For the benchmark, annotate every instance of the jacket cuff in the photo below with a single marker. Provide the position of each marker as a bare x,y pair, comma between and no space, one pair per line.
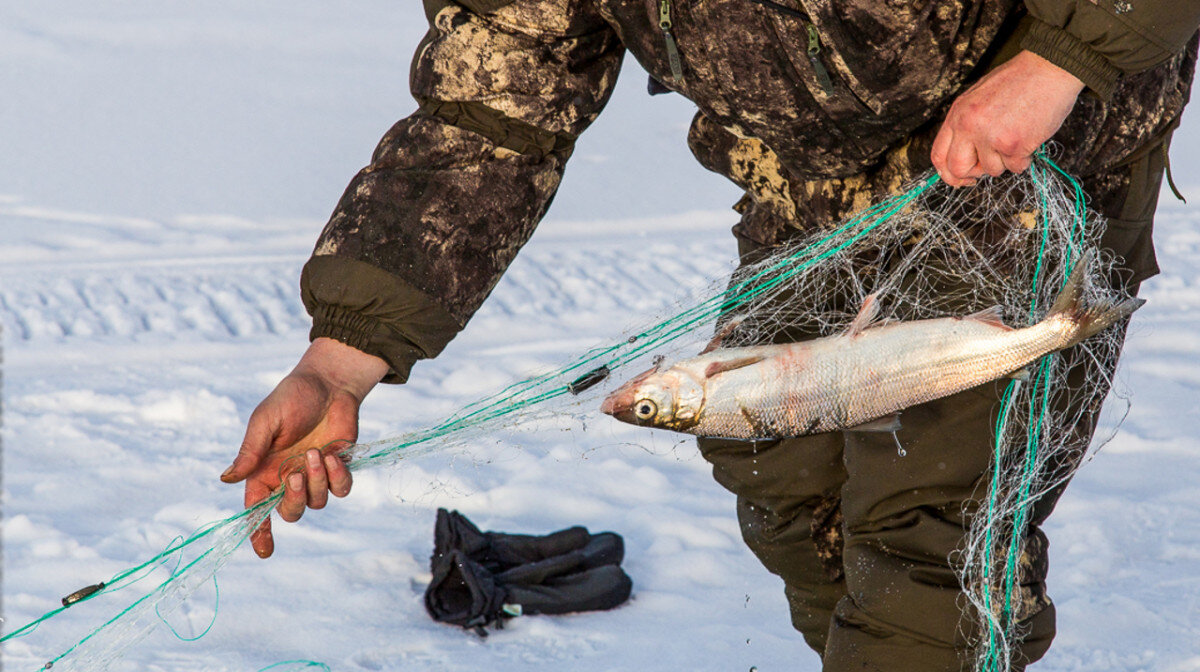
374,311
1071,54
342,325
360,332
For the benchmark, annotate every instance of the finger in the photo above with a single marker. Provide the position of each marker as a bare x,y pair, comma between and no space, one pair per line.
291,507
339,476
941,147
318,484
990,163
1017,164
960,159
261,540
259,435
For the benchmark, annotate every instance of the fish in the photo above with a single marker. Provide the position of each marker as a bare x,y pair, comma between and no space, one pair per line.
858,380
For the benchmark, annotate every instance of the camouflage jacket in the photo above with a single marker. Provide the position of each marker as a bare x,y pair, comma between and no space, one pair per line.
796,99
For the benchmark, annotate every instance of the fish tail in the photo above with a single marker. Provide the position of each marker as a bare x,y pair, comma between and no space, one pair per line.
1087,321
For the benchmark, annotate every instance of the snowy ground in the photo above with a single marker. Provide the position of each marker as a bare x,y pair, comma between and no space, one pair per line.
165,173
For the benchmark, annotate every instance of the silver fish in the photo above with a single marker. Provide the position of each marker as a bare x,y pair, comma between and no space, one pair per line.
857,380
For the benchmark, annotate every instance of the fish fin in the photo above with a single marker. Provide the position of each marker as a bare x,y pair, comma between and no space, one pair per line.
1022,375
1069,298
1088,320
762,425
755,422
721,367
866,317
888,423
993,316
723,334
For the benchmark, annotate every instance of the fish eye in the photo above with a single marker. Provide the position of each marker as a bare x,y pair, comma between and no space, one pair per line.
645,409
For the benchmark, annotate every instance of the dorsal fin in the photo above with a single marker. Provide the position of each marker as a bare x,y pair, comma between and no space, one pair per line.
722,335
729,365
993,316
866,315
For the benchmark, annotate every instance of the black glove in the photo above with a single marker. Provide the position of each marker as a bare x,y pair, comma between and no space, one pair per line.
480,578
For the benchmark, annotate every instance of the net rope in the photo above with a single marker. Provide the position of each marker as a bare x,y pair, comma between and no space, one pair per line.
930,251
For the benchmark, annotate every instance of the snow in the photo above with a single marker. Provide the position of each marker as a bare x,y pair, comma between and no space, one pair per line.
166,171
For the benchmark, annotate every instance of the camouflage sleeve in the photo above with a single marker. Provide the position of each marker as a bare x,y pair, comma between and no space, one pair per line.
1099,40
423,233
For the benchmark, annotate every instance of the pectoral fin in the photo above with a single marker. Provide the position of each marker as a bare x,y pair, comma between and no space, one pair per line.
721,367
763,426
1021,374
888,423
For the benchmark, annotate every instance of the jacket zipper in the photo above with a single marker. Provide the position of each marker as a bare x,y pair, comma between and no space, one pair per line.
665,25
814,42
814,57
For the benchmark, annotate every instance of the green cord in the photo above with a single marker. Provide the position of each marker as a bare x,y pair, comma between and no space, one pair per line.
302,663
1040,386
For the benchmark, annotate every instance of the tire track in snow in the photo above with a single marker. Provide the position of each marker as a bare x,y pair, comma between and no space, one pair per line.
225,303
221,300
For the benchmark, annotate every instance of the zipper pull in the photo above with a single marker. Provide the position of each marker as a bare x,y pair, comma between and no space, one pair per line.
664,24
814,57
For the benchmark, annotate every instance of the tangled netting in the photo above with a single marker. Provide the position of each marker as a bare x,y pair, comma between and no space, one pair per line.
930,251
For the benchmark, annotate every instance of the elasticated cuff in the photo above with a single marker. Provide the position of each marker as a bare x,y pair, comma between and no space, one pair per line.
374,311
1069,53
358,332
342,325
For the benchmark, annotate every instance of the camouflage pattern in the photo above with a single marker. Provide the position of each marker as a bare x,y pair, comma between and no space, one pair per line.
445,207
1095,138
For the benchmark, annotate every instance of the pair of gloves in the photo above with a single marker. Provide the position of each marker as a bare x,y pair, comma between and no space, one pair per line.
482,578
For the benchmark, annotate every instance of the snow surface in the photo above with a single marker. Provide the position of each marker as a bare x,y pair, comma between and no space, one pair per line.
166,169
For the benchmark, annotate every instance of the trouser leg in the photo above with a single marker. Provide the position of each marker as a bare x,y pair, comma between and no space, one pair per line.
904,519
790,518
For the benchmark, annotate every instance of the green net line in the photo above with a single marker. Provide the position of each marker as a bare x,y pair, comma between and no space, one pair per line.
999,626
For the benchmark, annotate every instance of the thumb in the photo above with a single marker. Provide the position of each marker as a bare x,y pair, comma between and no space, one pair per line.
258,439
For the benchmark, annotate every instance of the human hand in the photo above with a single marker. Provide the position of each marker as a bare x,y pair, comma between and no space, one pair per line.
998,123
298,431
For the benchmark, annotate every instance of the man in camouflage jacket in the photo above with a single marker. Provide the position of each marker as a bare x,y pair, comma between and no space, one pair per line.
814,108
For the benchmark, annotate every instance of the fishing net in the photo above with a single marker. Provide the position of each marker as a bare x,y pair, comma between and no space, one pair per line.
928,252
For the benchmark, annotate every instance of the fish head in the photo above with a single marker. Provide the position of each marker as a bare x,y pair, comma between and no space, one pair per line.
669,399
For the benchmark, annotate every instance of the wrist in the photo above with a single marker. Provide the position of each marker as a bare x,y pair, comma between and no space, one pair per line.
342,366
1050,73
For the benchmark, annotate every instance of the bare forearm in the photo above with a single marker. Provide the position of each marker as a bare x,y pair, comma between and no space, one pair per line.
342,366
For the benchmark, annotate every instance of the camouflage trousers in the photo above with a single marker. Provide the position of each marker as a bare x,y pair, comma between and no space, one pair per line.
862,537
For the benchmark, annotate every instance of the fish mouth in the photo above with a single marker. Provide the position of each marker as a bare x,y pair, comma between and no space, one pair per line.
619,404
